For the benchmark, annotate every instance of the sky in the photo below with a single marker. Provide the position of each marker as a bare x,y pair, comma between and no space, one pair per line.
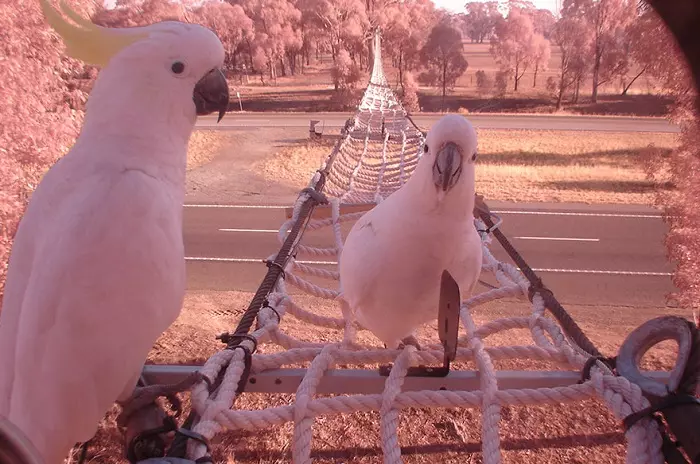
457,6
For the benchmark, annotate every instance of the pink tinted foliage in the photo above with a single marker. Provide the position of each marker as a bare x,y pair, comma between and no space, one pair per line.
514,46
543,22
573,38
409,95
481,19
405,29
345,72
542,53
38,124
665,61
346,75
443,57
605,19
653,50
342,22
276,24
132,13
228,21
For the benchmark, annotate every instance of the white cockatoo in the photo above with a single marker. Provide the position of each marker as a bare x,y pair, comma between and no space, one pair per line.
393,258
97,270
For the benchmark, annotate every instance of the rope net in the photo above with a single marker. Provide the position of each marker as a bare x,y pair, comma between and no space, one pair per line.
377,154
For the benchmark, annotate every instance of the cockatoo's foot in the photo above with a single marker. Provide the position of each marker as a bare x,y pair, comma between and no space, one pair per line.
410,340
146,424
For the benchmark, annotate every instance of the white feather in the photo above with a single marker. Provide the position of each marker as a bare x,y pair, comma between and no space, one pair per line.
97,269
394,256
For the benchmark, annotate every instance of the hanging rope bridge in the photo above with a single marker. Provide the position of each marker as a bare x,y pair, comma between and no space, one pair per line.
378,150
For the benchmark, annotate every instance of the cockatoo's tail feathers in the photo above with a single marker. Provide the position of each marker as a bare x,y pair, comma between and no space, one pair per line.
89,43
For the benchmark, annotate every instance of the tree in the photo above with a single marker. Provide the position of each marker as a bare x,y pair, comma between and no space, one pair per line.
542,54
543,21
443,57
409,94
344,24
130,13
573,37
345,74
606,19
652,49
514,46
41,108
404,31
481,19
484,82
276,32
229,22
681,57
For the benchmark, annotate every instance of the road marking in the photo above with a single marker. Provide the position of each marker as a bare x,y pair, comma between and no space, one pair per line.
550,270
572,213
252,260
262,231
535,213
561,239
238,206
592,271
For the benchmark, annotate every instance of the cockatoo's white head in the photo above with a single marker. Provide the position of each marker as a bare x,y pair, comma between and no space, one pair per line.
451,149
169,67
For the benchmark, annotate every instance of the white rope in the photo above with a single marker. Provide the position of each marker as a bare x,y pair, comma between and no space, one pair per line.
549,345
367,168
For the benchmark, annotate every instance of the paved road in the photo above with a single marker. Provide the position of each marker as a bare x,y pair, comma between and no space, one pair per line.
334,121
587,255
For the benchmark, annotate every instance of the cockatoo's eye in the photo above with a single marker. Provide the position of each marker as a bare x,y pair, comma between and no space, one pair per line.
178,67
425,148
474,156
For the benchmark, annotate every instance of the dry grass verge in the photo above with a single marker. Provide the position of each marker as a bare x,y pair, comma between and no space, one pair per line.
532,166
205,145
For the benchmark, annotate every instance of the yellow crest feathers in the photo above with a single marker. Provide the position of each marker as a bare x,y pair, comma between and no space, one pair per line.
88,43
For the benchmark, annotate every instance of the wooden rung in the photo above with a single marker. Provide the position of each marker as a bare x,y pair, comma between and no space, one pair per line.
324,211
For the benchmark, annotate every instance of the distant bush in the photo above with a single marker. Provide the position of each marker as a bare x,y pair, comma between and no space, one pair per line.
501,83
484,82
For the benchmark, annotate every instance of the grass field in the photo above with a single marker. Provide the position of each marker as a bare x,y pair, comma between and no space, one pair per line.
312,91
514,165
530,166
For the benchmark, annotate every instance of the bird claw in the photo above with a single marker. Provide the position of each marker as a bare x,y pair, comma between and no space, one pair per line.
145,424
144,396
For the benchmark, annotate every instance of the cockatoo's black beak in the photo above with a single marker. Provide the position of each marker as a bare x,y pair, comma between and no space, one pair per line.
447,167
211,94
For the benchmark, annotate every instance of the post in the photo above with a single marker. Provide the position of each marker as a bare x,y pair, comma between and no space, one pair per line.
312,129
240,105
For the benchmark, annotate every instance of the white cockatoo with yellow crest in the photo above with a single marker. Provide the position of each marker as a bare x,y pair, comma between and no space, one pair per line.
394,256
97,269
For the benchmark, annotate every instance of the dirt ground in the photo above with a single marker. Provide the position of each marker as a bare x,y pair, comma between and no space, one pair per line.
233,173
270,167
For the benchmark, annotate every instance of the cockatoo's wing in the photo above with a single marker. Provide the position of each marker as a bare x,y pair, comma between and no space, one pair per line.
107,278
356,261
466,266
